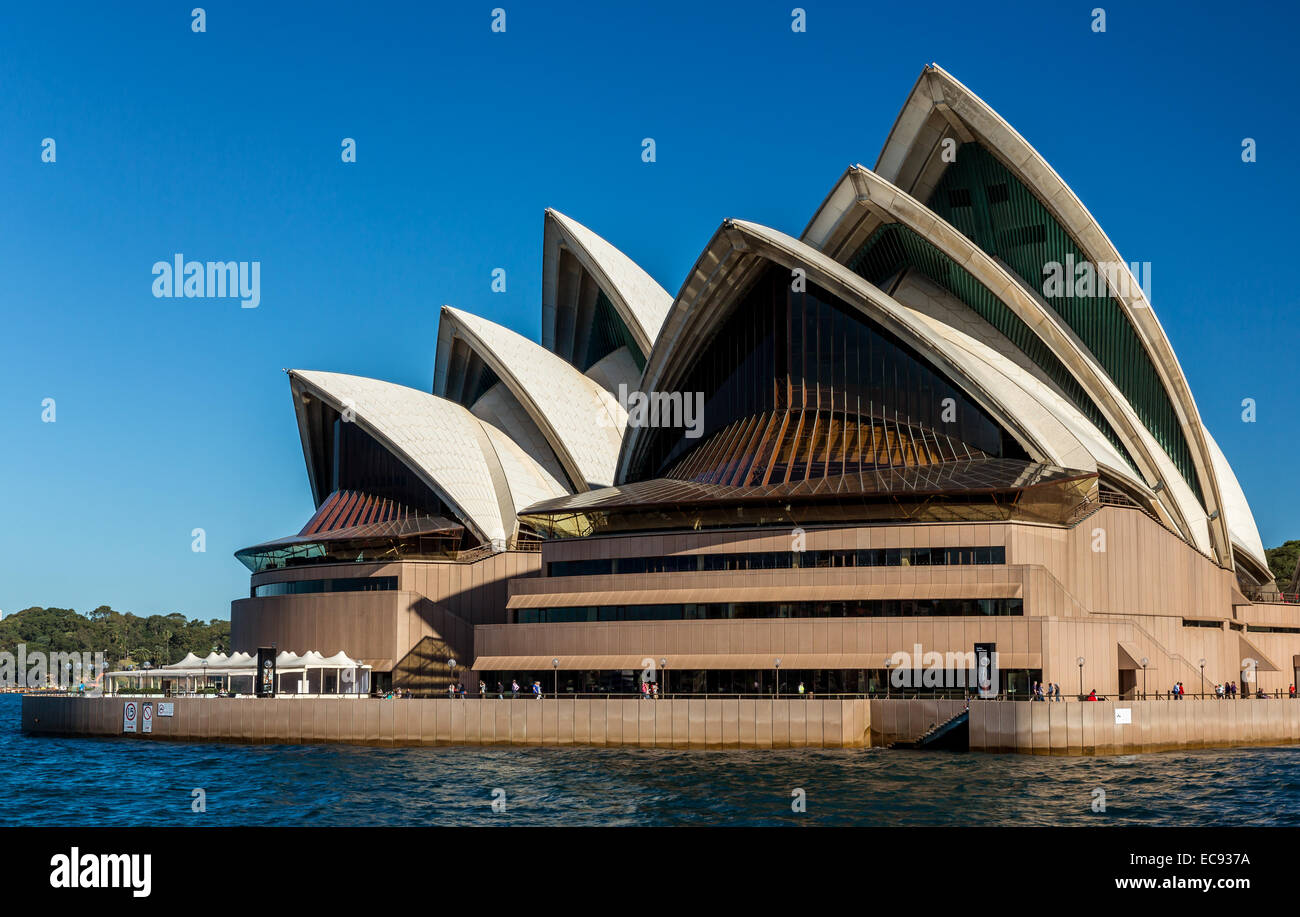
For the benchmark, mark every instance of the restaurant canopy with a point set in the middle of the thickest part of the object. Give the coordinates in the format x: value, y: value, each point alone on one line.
x: 310, y: 664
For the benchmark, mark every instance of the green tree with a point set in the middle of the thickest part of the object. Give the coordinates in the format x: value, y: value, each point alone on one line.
x: 1282, y: 562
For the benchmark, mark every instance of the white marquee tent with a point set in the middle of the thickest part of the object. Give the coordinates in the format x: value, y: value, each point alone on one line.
x: 308, y: 674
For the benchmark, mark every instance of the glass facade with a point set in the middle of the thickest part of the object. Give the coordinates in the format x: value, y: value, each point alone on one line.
x: 799, y: 386
x: 752, y: 682
x: 895, y: 248
x: 994, y: 209
x: 781, y: 560
x: 307, y: 553
x: 609, y: 333
x: 340, y: 584
x: 868, y: 608
x: 350, y: 459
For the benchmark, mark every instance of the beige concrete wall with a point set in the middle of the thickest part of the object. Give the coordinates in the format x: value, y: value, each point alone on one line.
x: 1118, y: 576
x: 1068, y: 728
x: 439, y: 600
x: 1142, y: 569
x: 1090, y: 728
x: 763, y: 636
x: 678, y: 723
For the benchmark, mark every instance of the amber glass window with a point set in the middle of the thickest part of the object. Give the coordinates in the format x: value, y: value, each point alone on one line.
x: 799, y: 385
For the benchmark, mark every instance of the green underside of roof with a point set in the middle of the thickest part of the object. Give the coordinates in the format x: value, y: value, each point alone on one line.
x: 894, y: 247
x: 608, y: 334
x: 992, y: 207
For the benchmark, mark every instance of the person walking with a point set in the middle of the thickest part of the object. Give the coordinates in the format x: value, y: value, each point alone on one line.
x: 514, y: 689
x: 500, y: 692
x: 537, y: 689
x: 482, y: 689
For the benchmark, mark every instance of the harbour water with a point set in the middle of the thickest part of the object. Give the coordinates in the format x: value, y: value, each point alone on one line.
x: 58, y: 781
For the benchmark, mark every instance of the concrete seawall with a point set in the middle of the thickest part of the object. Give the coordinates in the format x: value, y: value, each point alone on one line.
x: 1068, y: 728
x: 1155, y: 725
x: 677, y: 723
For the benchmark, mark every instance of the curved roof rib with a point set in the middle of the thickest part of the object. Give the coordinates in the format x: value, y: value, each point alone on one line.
x: 581, y: 422
x: 940, y: 107
x: 474, y: 468
x: 578, y: 266
x: 1241, y: 521
x: 862, y: 202
x: 1049, y: 428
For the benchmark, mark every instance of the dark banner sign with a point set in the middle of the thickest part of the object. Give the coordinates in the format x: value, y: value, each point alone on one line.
x: 265, y: 686
x: 986, y: 669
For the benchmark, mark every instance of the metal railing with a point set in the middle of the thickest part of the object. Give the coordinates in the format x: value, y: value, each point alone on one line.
x: 897, y: 694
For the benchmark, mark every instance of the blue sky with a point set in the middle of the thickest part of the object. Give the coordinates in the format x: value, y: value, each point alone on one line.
x: 173, y: 414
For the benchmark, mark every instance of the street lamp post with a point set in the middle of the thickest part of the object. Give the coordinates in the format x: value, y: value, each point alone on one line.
x: 451, y: 665
x: 888, y: 663
x: 1144, y: 677
x: 555, y: 665
x: 1080, y: 660
x: 205, y: 677
x: 663, y: 667
x: 777, y: 678
x: 1202, y: 678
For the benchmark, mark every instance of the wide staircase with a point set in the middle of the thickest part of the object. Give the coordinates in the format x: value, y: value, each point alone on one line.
x: 953, y: 734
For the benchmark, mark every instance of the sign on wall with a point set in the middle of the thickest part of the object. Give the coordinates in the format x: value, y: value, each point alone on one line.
x: 130, y: 710
x: 146, y: 716
x: 1123, y: 716
x: 986, y: 669
x: 265, y: 671
x: 165, y: 709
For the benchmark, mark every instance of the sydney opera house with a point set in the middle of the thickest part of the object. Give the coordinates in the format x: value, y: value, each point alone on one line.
x: 884, y: 433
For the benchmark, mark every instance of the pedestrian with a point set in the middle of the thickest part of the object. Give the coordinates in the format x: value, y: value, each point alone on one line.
x: 482, y: 688
x: 537, y: 690
x: 801, y: 687
x: 514, y: 689
x: 500, y: 691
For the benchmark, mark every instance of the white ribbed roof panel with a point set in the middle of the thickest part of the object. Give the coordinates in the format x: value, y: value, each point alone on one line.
x: 1241, y: 521
x: 582, y: 422
x: 912, y: 141
x: 437, y: 439
x: 641, y: 302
